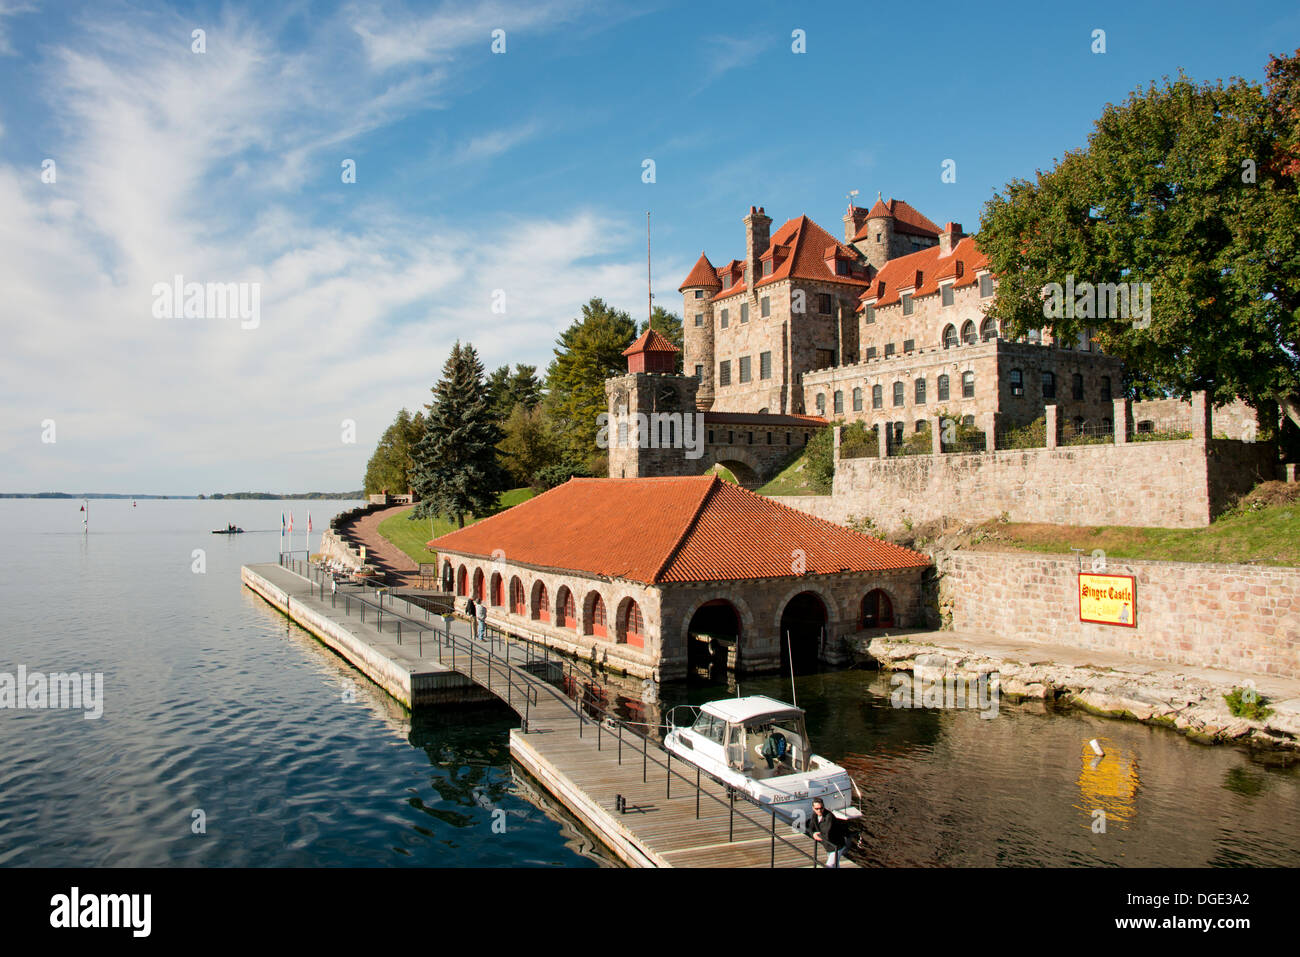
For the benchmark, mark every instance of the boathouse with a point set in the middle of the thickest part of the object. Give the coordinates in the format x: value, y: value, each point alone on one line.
x: 654, y: 576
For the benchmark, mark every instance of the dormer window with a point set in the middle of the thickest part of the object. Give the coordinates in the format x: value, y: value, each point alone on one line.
x: 841, y: 267
x: 767, y: 267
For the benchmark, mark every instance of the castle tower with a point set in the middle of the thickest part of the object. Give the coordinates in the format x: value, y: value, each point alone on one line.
x: 879, y: 242
x: 648, y: 432
x: 698, y: 291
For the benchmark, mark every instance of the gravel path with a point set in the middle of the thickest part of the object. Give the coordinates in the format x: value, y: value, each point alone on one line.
x: 399, y: 567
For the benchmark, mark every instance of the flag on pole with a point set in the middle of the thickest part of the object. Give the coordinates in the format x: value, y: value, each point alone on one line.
x: 282, y: 524
x: 309, y: 523
x: 291, y: 522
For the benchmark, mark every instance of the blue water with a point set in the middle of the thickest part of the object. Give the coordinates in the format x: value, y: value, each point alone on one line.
x: 214, y: 702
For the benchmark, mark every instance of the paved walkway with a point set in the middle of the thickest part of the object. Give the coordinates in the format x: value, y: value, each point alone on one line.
x: 398, y: 566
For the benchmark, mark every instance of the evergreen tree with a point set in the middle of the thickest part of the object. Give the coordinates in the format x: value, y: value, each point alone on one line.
x: 529, y: 445
x: 456, y: 472
x: 586, y: 354
x: 508, y: 389
x: 669, y: 325
x: 390, y: 465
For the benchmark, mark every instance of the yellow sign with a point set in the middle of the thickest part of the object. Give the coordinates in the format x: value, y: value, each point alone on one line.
x: 1108, y: 599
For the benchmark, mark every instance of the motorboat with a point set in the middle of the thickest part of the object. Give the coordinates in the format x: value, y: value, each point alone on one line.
x: 759, y: 746
x: 232, y: 530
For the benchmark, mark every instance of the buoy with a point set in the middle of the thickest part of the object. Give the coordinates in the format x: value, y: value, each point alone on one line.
x: 1096, y: 747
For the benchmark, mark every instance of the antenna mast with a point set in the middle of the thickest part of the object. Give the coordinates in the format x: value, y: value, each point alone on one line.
x: 649, y: 296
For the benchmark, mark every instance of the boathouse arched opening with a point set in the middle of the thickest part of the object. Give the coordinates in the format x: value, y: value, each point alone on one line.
x: 803, y: 632
x: 631, y: 624
x: 462, y: 581
x: 448, y: 575
x: 566, y: 612
x: 516, y: 596
x: 498, y: 590
x: 713, y: 638
x: 541, y: 603
x: 877, y: 610
x: 479, y: 592
x: 594, y: 616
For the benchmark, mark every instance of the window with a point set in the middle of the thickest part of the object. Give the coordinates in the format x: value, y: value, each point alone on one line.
x: 968, y: 421
x: 946, y: 294
x: 1105, y: 388
x: 1049, y: 386
x: 724, y: 318
x: 765, y: 365
x: 909, y: 345
x: 542, y: 609
x: 824, y: 304
x: 749, y: 438
x: 825, y: 358
x: 1017, y: 382
x: 724, y: 372
x: 516, y: 597
x: 597, y: 605
x: 769, y: 438
x: 949, y: 336
x: 988, y: 330
x: 498, y: 590
x: 565, y: 609
x: 943, y: 388
x: 1035, y: 336
x: 889, y: 349
x: 711, y: 441
x: 898, y: 394
x: 968, y: 385
x: 634, y: 626
x: 1085, y: 341
x: 1076, y: 386
x: 699, y: 373
x: 920, y: 391
x: 907, y: 303
x: 787, y: 438
x: 744, y: 312
x: 767, y: 268
x: 699, y: 294
x: 877, y: 397
x: 744, y: 369
x: 841, y: 267
x: 839, y: 402
x: 765, y: 306
x: 986, y: 286
x: 871, y: 352
x: 968, y: 333
x: 869, y: 314
x: 699, y: 318
x: 857, y: 400
x: 821, y: 403
x: 731, y: 437
x: 922, y: 425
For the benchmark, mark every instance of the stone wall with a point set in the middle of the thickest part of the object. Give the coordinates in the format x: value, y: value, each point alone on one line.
x: 1236, y: 617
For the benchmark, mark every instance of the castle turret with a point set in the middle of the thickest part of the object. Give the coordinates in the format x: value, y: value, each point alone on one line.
x: 877, y: 244
x: 698, y: 291
x: 652, y: 428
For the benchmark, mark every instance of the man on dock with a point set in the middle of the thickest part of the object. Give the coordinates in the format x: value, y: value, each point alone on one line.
x: 473, y: 618
x: 481, y: 614
x: 829, y: 830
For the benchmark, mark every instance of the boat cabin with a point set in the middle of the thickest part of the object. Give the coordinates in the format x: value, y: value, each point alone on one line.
x: 757, y: 736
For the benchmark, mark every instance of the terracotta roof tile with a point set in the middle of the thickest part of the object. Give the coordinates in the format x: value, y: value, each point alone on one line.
x: 809, y: 246
x: 924, y: 268
x: 771, y: 419
x: 906, y: 220
x: 656, y: 530
x: 703, y: 274
x: 652, y: 340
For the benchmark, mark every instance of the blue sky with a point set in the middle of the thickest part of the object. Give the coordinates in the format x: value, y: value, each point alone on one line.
x: 475, y: 172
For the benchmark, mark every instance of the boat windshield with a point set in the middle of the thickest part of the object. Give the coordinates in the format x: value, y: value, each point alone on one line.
x: 710, y: 726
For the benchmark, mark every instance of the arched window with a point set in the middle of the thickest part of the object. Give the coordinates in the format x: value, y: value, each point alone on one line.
x: 857, y: 399
x: 877, y: 610
x: 596, y: 615
x: 516, y: 596
x: 922, y: 425
x: 566, y: 614
x: 949, y: 336
x: 943, y: 387
x: 462, y: 586
x: 839, y: 402
x: 498, y: 589
x: 899, y: 394
x: 821, y: 403
x: 541, y: 603
x: 1049, y: 385
x: 633, y: 625
x: 920, y: 391
x: 988, y: 330
x: 968, y: 333
x: 877, y: 397
x: 968, y: 385
x: 479, y: 592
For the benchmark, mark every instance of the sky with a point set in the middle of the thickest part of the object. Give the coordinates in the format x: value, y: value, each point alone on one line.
x: 495, y: 191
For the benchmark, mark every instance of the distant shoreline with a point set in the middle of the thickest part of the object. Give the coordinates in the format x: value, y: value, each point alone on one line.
x: 219, y: 496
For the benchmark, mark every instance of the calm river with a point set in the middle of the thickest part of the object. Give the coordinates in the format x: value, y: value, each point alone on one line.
x: 231, y: 737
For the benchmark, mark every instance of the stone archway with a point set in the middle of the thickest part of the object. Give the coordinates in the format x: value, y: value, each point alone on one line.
x: 805, y: 624
x: 714, y: 634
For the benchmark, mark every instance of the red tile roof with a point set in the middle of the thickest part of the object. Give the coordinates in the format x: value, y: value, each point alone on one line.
x: 770, y: 419
x: 923, y: 269
x: 906, y: 220
x: 652, y: 340
x: 809, y: 247
x: 657, y: 530
x: 703, y: 274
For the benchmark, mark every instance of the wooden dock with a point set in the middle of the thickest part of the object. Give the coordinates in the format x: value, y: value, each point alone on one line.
x: 650, y: 809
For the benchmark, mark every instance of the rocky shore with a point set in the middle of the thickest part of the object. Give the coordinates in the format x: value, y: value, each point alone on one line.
x: 1192, y: 704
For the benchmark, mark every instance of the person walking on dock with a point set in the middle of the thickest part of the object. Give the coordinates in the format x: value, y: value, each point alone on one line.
x: 481, y: 614
x: 473, y: 618
x: 829, y: 831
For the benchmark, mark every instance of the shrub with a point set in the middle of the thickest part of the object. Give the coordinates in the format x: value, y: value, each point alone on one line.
x: 1247, y: 703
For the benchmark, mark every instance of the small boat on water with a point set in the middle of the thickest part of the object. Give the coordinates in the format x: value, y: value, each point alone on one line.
x: 228, y: 530
x: 759, y: 746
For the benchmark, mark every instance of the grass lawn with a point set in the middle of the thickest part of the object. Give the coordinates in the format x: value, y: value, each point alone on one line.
x: 410, y: 536
x: 792, y: 480
x: 1253, y: 533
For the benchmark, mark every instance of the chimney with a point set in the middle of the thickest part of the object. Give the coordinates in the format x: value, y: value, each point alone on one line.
x: 758, y: 236
x: 948, y: 238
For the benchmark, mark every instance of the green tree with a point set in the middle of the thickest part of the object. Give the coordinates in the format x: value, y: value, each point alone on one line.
x: 669, y: 324
x: 508, y: 389
x: 390, y: 465
x: 1180, y: 187
x: 456, y: 470
x: 586, y: 354
x: 529, y: 445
